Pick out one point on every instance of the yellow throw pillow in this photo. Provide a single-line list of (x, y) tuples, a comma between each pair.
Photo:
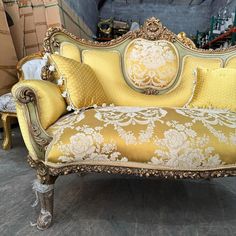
[(215, 88), (78, 82)]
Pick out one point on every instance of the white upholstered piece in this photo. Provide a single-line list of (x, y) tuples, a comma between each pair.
[(32, 69), (7, 103)]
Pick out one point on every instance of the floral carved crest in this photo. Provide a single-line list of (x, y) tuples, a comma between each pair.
[(154, 30)]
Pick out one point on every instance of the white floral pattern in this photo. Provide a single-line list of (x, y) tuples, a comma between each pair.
[(89, 144), (168, 137), (182, 148), (120, 117), (7, 103), (210, 119), (151, 64)]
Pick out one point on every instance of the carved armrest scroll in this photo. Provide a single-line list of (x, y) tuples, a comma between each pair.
[(27, 98)]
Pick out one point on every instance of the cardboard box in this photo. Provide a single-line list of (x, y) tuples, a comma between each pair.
[(8, 58), (32, 18)]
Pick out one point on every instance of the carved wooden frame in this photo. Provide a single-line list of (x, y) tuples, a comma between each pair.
[(152, 29)]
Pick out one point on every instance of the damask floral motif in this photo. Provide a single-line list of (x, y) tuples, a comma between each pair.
[(7, 103), (167, 137), (151, 64), (212, 119), (181, 148), (120, 117), (88, 144)]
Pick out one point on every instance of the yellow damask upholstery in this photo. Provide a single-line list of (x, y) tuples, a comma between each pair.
[(151, 64), (148, 131), (215, 89), (78, 82), (50, 103), (167, 137)]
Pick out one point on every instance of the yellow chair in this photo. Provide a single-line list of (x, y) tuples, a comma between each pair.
[(28, 68)]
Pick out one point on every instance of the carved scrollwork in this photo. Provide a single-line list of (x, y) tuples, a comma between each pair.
[(151, 30), (154, 30), (46, 74), (151, 91), (38, 137), (25, 95), (141, 172), (43, 173), (186, 41)]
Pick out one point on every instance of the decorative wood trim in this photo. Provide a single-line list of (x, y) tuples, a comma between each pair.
[(27, 97), (151, 30), (45, 171)]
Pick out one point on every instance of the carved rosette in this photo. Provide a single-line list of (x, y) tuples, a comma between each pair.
[(151, 30), (154, 30)]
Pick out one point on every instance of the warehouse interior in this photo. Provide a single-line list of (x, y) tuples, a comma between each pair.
[(114, 201)]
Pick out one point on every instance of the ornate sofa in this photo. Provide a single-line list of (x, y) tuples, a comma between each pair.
[(148, 76)]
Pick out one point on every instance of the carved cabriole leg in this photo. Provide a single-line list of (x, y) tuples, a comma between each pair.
[(6, 144), (44, 188)]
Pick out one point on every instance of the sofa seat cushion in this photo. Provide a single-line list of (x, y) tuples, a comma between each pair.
[(164, 137), (7, 103)]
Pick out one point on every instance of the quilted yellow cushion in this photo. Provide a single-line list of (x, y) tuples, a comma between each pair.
[(215, 89), (78, 83)]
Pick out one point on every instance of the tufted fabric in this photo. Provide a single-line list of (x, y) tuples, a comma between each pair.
[(215, 89), (151, 64), (7, 103), (166, 137), (79, 83)]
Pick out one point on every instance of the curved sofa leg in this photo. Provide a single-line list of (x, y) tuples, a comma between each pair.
[(45, 195), (6, 144)]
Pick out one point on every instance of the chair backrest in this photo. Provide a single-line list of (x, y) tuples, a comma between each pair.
[(30, 67)]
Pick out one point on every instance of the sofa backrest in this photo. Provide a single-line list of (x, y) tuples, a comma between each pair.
[(150, 66)]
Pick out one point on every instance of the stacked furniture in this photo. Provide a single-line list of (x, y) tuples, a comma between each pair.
[(146, 104)]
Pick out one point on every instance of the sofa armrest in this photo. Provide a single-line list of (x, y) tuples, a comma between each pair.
[(39, 104)]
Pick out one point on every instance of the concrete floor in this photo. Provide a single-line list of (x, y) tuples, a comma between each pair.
[(115, 205)]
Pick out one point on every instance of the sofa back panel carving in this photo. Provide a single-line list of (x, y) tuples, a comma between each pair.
[(151, 64)]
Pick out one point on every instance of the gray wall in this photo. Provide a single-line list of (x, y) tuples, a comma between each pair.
[(87, 10), (221, 3), (177, 15)]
